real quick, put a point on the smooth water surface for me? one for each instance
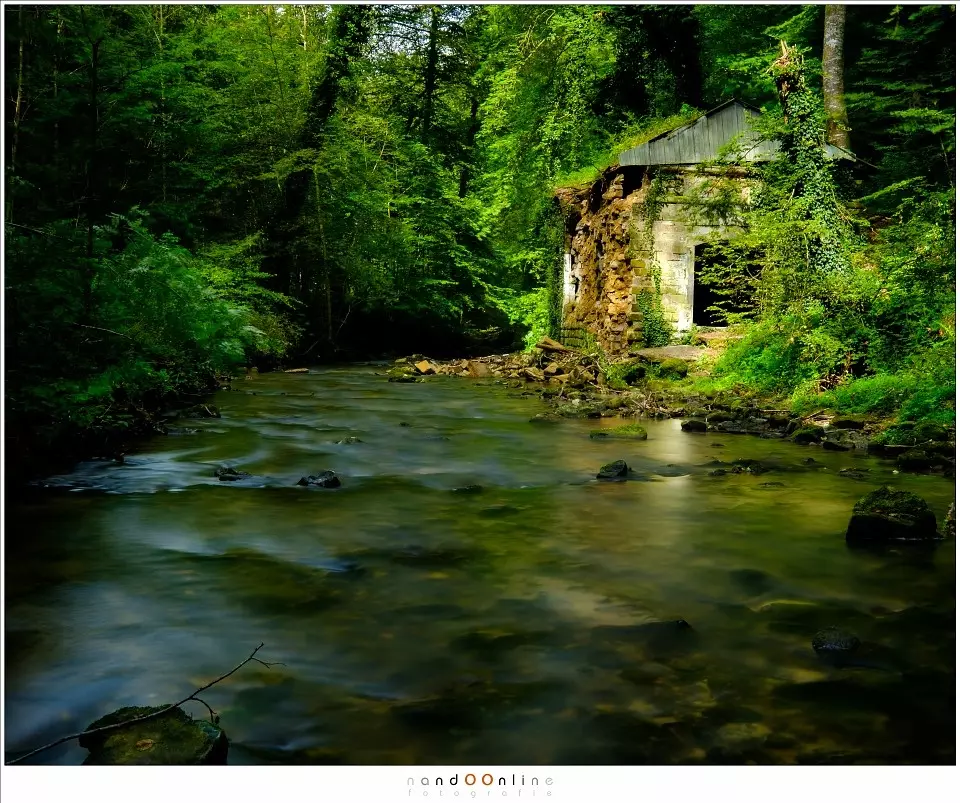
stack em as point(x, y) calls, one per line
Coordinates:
point(422, 624)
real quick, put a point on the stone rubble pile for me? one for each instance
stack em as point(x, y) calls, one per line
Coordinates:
point(550, 362)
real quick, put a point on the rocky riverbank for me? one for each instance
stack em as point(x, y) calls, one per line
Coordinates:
point(575, 384)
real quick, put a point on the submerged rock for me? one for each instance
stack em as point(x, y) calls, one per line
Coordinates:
point(173, 738)
point(750, 466)
point(888, 515)
point(325, 479)
point(228, 474)
point(546, 418)
point(833, 640)
point(617, 470)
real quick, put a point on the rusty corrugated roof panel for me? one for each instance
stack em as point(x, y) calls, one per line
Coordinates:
point(703, 140)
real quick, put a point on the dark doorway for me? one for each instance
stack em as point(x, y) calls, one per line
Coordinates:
point(704, 295)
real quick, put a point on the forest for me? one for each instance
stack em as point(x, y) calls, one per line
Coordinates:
point(193, 189)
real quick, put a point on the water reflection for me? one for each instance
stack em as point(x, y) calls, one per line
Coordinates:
point(422, 625)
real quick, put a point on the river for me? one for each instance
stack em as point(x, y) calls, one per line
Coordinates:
point(424, 620)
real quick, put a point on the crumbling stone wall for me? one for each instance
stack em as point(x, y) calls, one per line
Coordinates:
point(632, 238)
point(598, 286)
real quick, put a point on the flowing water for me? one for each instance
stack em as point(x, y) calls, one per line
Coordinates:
point(471, 593)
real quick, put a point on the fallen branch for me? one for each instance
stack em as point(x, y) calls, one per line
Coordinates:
point(101, 329)
point(155, 714)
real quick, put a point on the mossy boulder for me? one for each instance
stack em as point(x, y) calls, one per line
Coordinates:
point(928, 431)
point(917, 460)
point(806, 435)
point(672, 368)
point(629, 432)
point(174, 738)
point(617, 470)
point(886, 515)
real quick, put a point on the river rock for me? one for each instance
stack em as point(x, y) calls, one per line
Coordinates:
point(807, 435)
point(694, 426)
point(917, 460)
point(228, 474)
point(833, 640)
point(886, 515)
point(478, 370)
point(173, 738)
point(617, 470)
point(325, 479)
point(426, 367)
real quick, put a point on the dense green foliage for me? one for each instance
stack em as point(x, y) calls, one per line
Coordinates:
point(192, 188)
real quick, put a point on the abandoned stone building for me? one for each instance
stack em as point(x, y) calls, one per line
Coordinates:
point(637, 235)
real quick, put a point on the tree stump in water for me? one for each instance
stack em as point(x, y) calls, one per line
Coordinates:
point(173, 738)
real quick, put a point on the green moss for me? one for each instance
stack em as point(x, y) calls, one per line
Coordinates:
point(889, 502)
point(633, 432)
point(672, 368)
point(174, 738)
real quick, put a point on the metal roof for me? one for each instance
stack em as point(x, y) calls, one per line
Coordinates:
point(702, 140)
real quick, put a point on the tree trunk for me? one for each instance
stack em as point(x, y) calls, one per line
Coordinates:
point(837, 128)
point(471, 138)
point(16, 119)
point(430, 78)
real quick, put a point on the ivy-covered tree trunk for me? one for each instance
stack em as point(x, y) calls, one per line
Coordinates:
point(836, 107)
point(804, 145)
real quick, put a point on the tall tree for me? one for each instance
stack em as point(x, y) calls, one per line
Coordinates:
point(838, 131)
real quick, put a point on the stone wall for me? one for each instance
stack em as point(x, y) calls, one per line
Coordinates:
point(616, 253)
